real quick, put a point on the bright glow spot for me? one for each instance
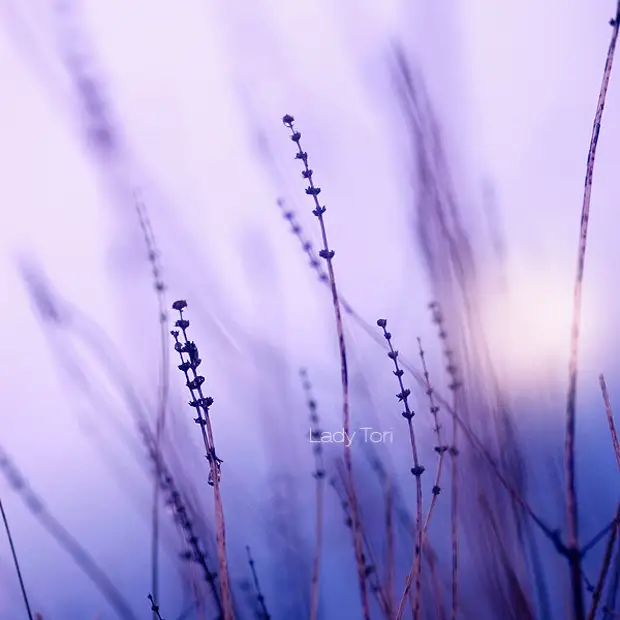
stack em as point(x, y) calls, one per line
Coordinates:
point(528, 326)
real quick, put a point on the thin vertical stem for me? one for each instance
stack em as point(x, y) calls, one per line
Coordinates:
point(319, 476)
point(417, 470)
point(600, 583)
point(159, 287)
point(389, 543)
point(259, 593)
point(572, 512)
point(203, 419)
point(454, 515)
point(327, 254)
point(610, 418)
point(16, 561)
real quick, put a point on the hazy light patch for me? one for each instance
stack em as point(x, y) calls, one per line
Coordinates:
point(528, 325)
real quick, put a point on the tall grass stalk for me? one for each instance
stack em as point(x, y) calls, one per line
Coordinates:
point(319, 477)
point(572, 511)
point(164, 381)
point(18, 569)
point(417, 470)
point(605, 565)
point(260, 597)
point(202, 405)
point(610, 418)
point(328, 255)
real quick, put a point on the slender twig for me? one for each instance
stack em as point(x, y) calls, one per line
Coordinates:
point(18, 569)
point(585, 549)
point(176, 502)
point(612, 591)
point(607, 557)
point(417, 470)
point(154, 607)
point(389, 544)
point(319, 476)
point(407, 524)
point(613, 527)
point(160, 288)
point(454, 386)
point(610, 419)
point(327, 254)
point(259, 593)
point(440, 448)
point(202, 405)
point(572, 512)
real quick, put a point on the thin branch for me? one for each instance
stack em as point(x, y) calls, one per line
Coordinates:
point(16, 561)
point(328, 255)
point(600, 584)
point(164, 382)
point(259, 593)
point(417, 470)
point(202, 405)
point(572, 516)
point(610, 418)
point(154, 608)
point(319, 476)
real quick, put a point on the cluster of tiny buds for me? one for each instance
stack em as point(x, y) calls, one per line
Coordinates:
point(315, 431)
point(312, 189)
point(154, 607)
point(403, 395)
point(307, 248)
point(193, 381)
point(152, 253)
point(306, 245)
point(434, 409)
point(451, 368)
point(265, 615)
point(197, 555)
point(174, 502)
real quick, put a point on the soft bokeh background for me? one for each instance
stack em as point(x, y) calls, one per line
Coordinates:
point(193, 97)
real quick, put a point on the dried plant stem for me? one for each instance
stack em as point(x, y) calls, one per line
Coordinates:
point(18, 569)
point(454, 498)
point(154, 607)
point(316, 565)
point(319, 476)
point(164, 382)
point(327, 254)
point(610, 418)
point(417, 470)
point(440, 448)
point(454, 386)
point(572, 513)
point(389, 545)
point(203, 419)
point(600, 583)
point(607, 558)
point(259, 593)
point(176, 502)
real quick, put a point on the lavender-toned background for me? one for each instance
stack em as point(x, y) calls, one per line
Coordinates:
point(193, 97)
